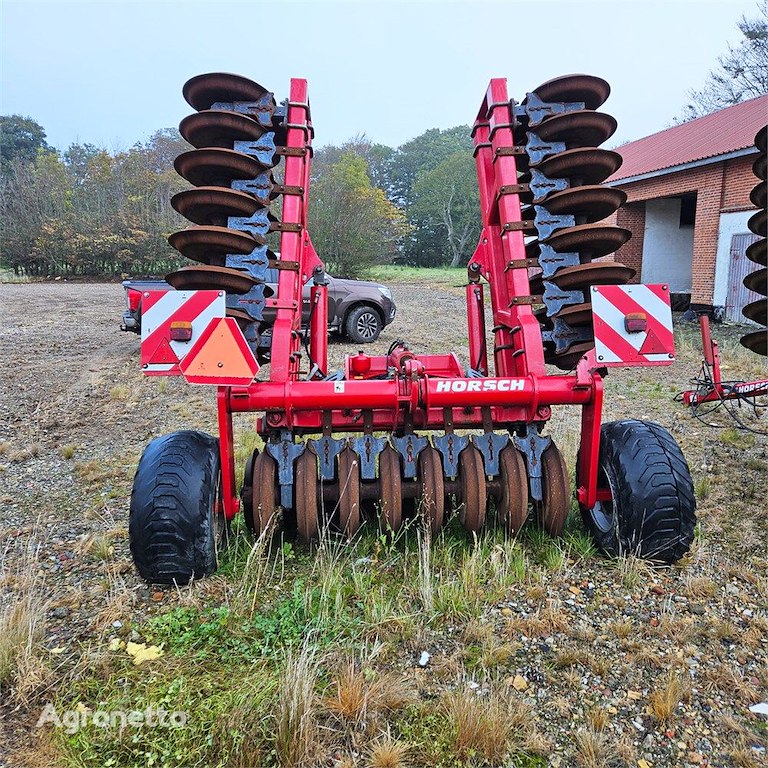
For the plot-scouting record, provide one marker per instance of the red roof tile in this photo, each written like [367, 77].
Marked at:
[724, 131]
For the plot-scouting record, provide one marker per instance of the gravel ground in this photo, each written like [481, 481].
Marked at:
[75, 414]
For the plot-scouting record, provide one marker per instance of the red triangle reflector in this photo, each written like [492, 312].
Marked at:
[652, 345]
[163, 354]
[220, 356]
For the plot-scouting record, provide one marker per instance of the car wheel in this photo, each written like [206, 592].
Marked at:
[364, 324]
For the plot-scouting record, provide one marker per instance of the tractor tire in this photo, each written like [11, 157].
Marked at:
[172, 526]
[652, 514]
[363, 324]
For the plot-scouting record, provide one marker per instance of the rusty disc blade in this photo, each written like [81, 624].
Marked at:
[757, 341]
[757, 311]
[207, 278]
[390, 490]
[216, 166]
[349, 493]
[569, 359]
[264, 499]
[576, 314]
[305, 486]
[756, 281]
[210, 244]
[594, 202]
[203, 90]
[243, 318]
[577, 129]
[472, 489]
[758, 223]
[512, 502]
[593, 91]
[587, 165]
[594, 240]
[597, 273]
[214, 205]
[432, 499]
[761, 139]
[759, 167]
[219, 128]
[758, 196]
[553, 509]
[758, 252]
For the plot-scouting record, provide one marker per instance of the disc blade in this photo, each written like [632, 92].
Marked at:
[756, 281]
[577, 129]
[209, 244]
[593, 91]
[216, 166]
[207, 278]
[585, 165]
[756, 341]
[594, 240]
[757, 311]
[214, 205]
[758, 252]
[219, 128]
[594, 202]
[203, 90]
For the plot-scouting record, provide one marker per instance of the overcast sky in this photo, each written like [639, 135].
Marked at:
[110, 73]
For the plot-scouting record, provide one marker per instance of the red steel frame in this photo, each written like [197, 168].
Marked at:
[716, 390]
[428, 391]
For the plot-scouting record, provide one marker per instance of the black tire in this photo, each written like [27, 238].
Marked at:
[171, 528]
[653, 510]
[363, 324]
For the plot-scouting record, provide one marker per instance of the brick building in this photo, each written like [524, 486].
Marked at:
[688, 205]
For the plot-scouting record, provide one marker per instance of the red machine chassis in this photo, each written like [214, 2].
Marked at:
[427, 391]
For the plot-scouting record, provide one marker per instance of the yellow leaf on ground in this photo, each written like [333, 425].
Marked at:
[141, 652]
[643, 764]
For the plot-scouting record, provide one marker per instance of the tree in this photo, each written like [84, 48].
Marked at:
[21, 138]
[741, 74]
[353, 225]
[422, 154]
[446, 199]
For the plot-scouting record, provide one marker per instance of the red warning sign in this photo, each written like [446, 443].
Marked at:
[220, 356]
[163, 353]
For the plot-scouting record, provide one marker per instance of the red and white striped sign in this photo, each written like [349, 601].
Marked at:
[160, 355]
[633, 325]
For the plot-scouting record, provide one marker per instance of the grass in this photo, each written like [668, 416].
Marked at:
[435, 277]
[23, 618]
[664, 701]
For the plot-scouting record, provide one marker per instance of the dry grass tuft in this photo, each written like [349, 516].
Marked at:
[351, 694]
[727, 678]
[593, 749]
[485, 726]
[22, 627]
[665, 701]
[356, 695]
[296, 729]
[547, 621]
[597, 718]
[387, 752]
[623, 629]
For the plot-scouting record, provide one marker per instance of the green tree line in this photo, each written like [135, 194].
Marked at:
[87, 211]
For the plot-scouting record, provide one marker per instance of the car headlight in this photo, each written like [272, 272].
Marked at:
[385, 291]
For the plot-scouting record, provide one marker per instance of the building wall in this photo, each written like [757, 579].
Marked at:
[722, 186]
[668, 247]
